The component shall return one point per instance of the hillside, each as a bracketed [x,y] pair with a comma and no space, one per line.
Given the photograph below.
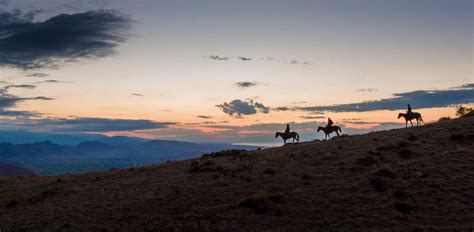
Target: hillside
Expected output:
[405,179]
[11,171]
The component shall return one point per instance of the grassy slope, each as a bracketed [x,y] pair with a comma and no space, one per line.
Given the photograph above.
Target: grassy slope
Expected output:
[400,179]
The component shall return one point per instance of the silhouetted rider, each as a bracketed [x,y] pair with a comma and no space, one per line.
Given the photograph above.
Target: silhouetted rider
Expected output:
[409,111]
[287,130]
[330,123]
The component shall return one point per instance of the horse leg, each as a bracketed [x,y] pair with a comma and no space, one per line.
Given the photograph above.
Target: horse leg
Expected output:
[406,123]
[411,123]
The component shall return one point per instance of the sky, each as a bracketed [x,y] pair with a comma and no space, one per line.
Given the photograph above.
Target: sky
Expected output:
[230,71]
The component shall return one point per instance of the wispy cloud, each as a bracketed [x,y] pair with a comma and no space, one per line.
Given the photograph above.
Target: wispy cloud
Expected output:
[247,84]
[313,117]
[41,75]
[418,99]
[238,108]
[19,87]
[50,82]
[204,116]
[368,90]
[262,59]
[60,39]
[137,94]
[9,101]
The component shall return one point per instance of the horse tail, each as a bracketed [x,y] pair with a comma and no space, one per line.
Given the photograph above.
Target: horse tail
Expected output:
[297,136]
[340,130]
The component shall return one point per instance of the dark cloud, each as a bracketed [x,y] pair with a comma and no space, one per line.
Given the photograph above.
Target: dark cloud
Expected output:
[369,90]
[238,108]
[214,57]
[418,99]
[9,101]
[244,58]
[204,116]
[267,59]
[136,94]
[42,75]
[49,82]
[97,124]
[283,108]
[20,87]
[247,84]
[312,117]
[25,44]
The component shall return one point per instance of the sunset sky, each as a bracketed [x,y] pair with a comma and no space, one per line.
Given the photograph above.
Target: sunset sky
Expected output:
[230,70]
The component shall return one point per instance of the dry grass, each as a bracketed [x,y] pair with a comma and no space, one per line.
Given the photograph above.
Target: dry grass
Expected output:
[407,179]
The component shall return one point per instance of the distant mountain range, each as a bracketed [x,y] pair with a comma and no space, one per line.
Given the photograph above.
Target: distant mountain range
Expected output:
[22,137]
[46,158]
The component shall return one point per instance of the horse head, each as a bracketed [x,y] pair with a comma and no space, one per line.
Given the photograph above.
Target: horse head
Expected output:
[319,129]
[276,134]
[400,115]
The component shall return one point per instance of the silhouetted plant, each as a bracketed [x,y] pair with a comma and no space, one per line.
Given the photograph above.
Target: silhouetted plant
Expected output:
[269,171]
[458,137]
[444,119]
[463,111]
[406,153]
[378,184]
[12,203]
[403,207]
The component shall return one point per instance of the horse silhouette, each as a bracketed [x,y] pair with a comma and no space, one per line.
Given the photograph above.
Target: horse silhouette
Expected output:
[329,130]
[410,117]
[286,136]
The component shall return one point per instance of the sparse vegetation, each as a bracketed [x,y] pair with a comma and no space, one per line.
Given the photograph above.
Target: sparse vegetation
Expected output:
[403,207]
[458,137]
[367,160]
[12,203]
[444,119]
[358,182]
[378,183]
[406,153]
[269,171]
[385,172]
[463,111]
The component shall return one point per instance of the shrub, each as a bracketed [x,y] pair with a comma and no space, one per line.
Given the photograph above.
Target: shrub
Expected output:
[403,207]
[463,111]
[368,160]
[269,171]
[378,184]
[406,154]
[444,119]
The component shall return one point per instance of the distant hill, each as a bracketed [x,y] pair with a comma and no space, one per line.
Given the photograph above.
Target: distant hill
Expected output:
[47,158]
[415,179]
[11,171]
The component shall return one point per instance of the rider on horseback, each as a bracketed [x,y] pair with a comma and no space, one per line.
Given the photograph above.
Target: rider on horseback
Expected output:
[287,130]
[409,111]
[330,123]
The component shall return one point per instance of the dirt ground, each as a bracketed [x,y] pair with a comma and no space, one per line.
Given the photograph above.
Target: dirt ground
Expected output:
[416,179]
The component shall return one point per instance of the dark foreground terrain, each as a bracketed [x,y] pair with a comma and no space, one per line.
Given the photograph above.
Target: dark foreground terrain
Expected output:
[12,170]
[407,179]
